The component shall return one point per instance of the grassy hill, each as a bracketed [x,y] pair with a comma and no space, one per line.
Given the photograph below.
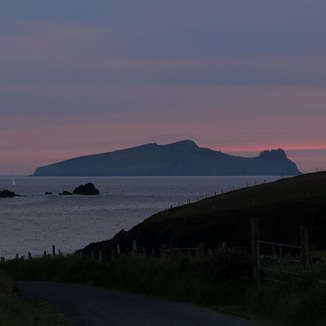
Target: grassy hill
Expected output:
[281,206]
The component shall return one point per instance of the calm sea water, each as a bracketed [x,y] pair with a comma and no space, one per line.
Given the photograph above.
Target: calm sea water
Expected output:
[35,221]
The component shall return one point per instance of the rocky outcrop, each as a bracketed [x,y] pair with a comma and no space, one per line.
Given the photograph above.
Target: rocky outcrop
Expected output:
[87,189]
[105,246]
[7,193]
[65,193]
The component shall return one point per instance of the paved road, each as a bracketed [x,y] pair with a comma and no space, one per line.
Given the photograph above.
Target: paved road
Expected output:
[92,306]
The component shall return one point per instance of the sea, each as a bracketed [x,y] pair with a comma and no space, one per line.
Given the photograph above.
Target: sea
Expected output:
[35,222]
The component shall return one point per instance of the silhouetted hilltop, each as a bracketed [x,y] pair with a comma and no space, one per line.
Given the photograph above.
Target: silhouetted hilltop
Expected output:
[182,158]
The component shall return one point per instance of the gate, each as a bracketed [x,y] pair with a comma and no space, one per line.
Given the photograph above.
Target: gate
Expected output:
[274,263]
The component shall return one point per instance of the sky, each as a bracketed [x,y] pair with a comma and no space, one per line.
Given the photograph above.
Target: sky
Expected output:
[83,77]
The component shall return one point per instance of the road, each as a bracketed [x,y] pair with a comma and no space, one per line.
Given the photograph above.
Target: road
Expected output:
[92,306]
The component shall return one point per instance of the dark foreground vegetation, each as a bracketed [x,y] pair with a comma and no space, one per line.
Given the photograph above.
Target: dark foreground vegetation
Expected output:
[219,281]
[16,311]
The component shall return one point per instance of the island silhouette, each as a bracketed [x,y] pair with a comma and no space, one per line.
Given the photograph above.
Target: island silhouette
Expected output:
[183,158]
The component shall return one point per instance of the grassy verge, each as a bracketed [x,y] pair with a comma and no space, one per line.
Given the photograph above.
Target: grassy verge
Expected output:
[15,311]
[219,282]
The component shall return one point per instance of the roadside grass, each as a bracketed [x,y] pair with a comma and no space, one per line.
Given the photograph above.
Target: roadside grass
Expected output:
[220,281]
[16,311]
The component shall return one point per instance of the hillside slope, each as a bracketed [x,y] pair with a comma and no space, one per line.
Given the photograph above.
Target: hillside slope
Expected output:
[281,206]
[183,158]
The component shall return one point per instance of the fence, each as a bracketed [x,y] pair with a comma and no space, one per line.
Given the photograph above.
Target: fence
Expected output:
[258,261]
[275,262]
[163,252]
[29,255]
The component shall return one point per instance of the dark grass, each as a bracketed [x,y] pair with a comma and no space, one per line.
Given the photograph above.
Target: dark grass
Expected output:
[16,311]
[219,281]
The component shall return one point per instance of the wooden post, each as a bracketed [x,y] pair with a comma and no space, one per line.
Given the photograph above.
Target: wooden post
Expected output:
[201,250]
[281,263]
[255,250]
[53,250]
[163,251]
[304,247]
[134,248]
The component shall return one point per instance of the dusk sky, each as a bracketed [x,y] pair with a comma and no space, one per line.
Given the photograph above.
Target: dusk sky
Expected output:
[82,77]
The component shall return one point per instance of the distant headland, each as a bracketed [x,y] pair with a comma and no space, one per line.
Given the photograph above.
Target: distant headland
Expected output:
[183,158]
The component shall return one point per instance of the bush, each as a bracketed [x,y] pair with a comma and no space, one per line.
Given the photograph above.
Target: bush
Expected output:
[300,302]
[228,265]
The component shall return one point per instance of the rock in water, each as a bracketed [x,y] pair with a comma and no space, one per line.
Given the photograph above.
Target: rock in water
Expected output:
[65,193]
[87,189]
[7,193]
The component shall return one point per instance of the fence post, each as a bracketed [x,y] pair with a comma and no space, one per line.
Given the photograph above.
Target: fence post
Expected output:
[281,263]
[134,248]
[304,247]
[163,251]
[201,250]
[53,250]
[255,250]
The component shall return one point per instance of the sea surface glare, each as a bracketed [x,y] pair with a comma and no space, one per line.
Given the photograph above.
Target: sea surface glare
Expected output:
[35,221]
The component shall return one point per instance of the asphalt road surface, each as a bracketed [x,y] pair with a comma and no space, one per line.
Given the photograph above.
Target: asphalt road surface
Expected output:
[92,306]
